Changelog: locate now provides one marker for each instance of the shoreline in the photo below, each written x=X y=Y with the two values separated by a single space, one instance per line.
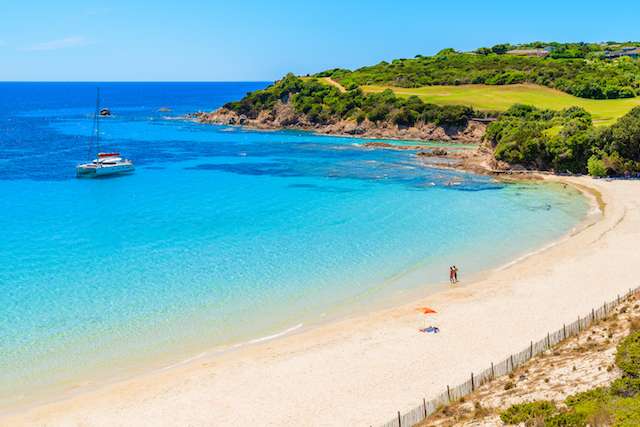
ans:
x=355 y=307
x=309 y=339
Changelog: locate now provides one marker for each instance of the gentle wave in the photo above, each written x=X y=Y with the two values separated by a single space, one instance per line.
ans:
x=278 y=335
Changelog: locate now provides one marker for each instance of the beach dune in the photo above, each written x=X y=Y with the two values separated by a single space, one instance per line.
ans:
x=362 y=370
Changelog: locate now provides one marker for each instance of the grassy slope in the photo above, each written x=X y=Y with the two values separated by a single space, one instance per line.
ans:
x=485 y=97
x=328 y=81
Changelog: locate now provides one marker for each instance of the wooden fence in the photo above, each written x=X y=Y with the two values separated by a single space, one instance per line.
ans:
x=453 y=394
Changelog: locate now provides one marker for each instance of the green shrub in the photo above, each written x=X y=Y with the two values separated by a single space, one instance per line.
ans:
x=628 y=355
x=566 y=419
x=597 y=395
x=626 y=387
x=596 y=167
x=527 y=412
x=626 y=412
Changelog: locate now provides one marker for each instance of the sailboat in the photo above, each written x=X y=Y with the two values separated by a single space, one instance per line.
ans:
x=105 y=163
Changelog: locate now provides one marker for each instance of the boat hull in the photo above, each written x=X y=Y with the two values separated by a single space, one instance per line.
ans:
x=92 y=171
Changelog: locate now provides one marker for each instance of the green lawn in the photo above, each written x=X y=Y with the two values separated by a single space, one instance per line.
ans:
x=485 y=97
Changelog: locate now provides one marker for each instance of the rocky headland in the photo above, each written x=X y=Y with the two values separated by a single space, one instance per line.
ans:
x=283 y=116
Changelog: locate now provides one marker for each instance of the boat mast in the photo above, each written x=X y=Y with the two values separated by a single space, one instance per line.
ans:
x=95 y=138
x=97 y=121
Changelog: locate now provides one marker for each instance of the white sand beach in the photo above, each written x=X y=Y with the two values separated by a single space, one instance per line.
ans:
x=361 y=370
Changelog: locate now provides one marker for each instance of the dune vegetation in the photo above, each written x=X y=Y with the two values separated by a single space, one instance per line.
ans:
x=592 y=379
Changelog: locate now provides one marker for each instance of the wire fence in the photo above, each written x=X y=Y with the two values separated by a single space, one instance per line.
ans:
x=453 y=394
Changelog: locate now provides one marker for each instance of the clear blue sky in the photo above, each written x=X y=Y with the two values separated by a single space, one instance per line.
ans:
x=261 y=40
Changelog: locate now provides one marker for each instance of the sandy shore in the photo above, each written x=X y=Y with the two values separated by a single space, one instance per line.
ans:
x=361 y=370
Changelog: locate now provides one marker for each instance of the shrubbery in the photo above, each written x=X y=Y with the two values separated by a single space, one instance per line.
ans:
x=566 y=141
x=527 y=412
x=628 y=356
x=596 y=167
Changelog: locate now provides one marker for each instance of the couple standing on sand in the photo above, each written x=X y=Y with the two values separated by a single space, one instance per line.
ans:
x=453 y=274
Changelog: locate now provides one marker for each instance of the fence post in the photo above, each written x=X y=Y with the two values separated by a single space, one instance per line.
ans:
x=448 y=393
x=424 y=405
x=578 y=324
x=493 y=373
x=399 y=420
x=593 y=314
x=605 y=309
x=548 y=341
x=511 y=362
x=531 y=351
x=564 y=331
x=473 y=387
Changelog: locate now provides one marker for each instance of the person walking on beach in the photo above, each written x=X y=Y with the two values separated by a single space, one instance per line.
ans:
x=454 y=270
x=451 y=275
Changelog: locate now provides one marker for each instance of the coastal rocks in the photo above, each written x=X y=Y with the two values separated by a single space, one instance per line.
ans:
x=438 y=152
x=221 y=116
x=347 y=127
x=284 y=116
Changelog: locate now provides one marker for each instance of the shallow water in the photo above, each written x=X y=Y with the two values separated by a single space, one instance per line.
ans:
x=222 y=235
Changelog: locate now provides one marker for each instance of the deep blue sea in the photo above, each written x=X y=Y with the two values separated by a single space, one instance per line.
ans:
x=222 y=235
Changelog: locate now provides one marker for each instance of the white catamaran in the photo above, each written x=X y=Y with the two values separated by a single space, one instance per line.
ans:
x=105 y=163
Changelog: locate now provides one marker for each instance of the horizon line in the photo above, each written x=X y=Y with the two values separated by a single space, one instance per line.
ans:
x=136 y=81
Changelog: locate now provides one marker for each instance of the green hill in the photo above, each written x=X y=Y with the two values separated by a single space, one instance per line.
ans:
x=588 y=72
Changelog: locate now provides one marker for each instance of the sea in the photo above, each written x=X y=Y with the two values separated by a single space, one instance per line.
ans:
x=223 y=236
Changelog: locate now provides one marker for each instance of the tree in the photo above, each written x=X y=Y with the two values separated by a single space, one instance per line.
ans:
x=501 y=49
x=446 y=51
x=623 y=137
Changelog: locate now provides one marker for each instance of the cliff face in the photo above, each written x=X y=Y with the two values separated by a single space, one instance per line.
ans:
x=283 y=116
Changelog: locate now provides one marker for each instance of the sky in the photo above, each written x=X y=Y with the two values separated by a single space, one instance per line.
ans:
x=250 y=40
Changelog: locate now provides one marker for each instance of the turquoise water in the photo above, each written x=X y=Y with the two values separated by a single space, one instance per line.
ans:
x=222 y=235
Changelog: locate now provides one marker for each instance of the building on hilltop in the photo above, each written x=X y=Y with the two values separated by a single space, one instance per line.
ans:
x=630 y=51
x=529 y=52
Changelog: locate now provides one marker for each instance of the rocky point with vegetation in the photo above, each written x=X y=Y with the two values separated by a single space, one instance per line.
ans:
x=309 y=104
